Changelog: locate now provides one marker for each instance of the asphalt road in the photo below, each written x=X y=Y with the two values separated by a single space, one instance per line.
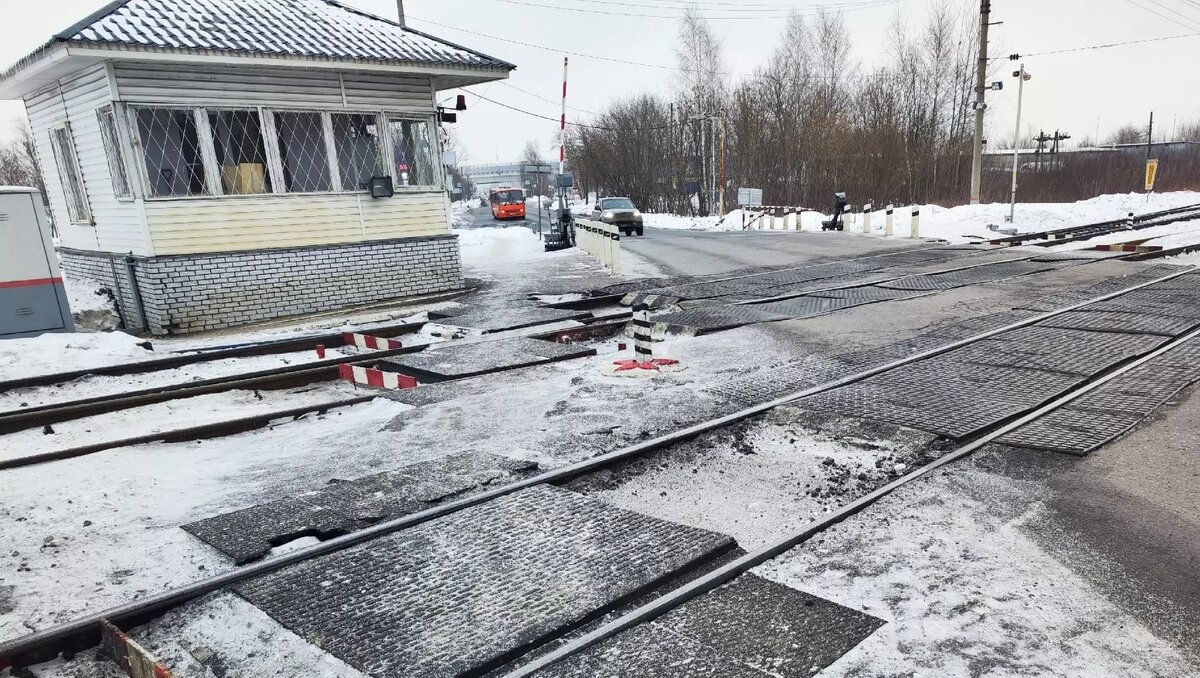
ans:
x=686 y=252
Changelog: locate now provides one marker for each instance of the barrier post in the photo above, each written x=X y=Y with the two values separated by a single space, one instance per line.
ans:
x=616 y=252
x=642 y=349
x=887 y=222
x=867 y=218
x=916 y=222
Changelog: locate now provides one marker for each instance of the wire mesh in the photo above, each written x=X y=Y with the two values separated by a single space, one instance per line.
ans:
x=303 y=152
x=356 y=142
x=171 y=151
x=241 y=156
x=412 y=149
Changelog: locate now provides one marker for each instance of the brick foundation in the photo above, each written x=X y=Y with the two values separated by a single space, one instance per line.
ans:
x=194 y=292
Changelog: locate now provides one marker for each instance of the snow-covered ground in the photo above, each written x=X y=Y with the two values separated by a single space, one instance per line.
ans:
x=68 y=351
x=964 y=223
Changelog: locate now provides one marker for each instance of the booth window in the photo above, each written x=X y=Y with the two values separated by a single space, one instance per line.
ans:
x=302 y=152
x=412 y=150
x=241 y=156
x=171 y=150
x=69 y=175
x=112 y=152
x=357 y=146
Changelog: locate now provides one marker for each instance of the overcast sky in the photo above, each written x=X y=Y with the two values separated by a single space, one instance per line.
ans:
x=1077 y=92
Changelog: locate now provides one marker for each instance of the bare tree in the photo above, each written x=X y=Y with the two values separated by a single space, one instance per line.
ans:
x=18 y=161
x=1128 y=133
x=700 y=99
x=530 y=155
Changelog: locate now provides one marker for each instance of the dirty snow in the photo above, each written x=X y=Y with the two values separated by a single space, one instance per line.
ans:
x=61 y=352
x=171 y=415
x=100 y=385
x=88 y=533
x=949 y=563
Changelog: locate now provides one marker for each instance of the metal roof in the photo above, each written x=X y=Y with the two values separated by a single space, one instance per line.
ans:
x=322 y=29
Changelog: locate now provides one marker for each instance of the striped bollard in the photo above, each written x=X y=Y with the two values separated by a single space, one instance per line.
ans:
x=643 y=363
x=867 y=218
x=642 y=350
x=887 y=222
x=916 y=222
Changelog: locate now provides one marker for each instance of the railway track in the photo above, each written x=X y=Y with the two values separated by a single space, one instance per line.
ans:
x=291 y=344
x=1069 y=234
x=84 y=631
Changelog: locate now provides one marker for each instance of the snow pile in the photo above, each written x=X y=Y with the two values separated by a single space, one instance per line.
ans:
x=965 y=223
x=62 y=352
x=491 y=248
x=460 y=213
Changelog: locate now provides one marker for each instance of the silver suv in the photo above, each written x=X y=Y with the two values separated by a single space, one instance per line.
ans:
x=621 y=212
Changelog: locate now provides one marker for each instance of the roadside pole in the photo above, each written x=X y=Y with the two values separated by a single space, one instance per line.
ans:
x=985 y=8
x=1022 y=76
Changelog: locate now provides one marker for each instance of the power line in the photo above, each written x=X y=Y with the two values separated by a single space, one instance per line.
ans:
x=726 y=7
x=535 y=96
x=569 y=123
x=1160 y=15
x=861 y=5
x=1104 y=46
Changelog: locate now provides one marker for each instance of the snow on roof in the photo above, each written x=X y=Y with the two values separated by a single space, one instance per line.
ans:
x=303 y=28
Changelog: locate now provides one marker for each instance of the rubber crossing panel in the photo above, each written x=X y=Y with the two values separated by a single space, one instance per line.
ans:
x=711 y=319
x=458 y=361
x=492 y=320
x=463 y=593
x=1115 y=321
x=343 y=506
x=749 y=628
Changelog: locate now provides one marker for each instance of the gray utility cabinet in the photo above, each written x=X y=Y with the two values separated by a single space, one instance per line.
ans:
x=32 y=298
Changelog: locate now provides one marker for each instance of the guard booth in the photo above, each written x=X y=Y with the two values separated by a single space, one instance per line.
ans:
x=32 y=298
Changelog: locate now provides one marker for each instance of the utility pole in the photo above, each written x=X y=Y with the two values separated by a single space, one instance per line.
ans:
x=400 y=11
x=985 y=9
x=721 y=177
x=1022 y=76
x=712 y=167
x=1150 y=135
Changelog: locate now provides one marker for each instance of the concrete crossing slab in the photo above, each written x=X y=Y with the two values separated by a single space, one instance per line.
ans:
x=751 y=627
x=464 y=593
x=342 y=506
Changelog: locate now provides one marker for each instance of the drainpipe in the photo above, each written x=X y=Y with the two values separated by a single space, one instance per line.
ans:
x=135 y=291
x=400 y=11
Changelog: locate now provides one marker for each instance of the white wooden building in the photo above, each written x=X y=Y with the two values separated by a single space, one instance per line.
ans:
x=208 y=159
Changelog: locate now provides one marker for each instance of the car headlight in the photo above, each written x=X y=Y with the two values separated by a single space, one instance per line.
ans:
x=637 y=214
x=607 y=215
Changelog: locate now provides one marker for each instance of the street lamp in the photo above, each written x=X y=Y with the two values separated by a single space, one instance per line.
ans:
x=1021 y=77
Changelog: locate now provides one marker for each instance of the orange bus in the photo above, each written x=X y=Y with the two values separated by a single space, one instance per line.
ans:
x=507 y=203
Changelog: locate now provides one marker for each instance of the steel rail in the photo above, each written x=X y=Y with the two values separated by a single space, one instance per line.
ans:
x=275 y=378
x=739 y=566
x=1141 y=226
x=1124 y=221
x=214 y=429
x=84 y=631
x=331 y=340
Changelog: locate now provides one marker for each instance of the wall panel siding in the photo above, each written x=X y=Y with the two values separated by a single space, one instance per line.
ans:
x=118 y=222
x=46 y=111
x=290 y=87
x=195 y=225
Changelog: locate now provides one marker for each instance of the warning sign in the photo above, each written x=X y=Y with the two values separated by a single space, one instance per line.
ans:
x=1151 y=172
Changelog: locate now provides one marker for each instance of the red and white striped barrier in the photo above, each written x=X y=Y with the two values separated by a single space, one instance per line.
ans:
x=369 y=342
x=134 y=660
x=377 y=378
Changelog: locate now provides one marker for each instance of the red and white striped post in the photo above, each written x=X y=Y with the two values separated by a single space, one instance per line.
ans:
x=562 y=125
